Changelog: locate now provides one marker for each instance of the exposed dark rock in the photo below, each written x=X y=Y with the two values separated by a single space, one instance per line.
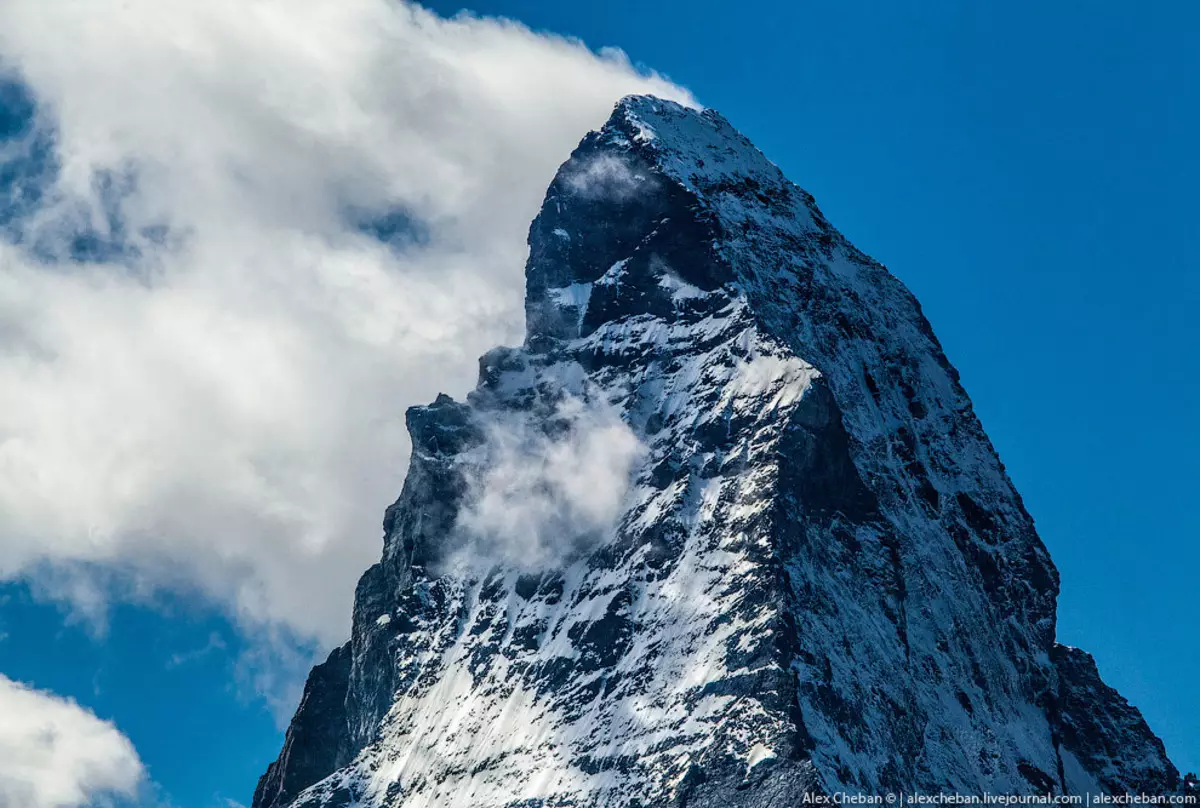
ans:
x=1105 y=733
x=317 y=741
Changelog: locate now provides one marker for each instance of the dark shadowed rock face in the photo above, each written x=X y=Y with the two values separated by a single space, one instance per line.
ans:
x=316 y=741
x=818 y=577
x=1106 y=746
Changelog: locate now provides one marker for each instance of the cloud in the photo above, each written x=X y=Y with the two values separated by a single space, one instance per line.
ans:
x=540 y=490
x=214 y=644
x=606 y=176
x=241 y=239
x=55 y=754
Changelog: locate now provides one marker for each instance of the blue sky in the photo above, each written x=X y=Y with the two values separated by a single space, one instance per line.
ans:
x=1028 y=169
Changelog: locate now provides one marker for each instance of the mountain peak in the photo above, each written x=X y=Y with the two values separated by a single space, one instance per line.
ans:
x=724 y=531
x=697 y=147
x=702 y=184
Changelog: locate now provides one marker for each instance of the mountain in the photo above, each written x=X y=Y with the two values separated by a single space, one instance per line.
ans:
x=724 y=531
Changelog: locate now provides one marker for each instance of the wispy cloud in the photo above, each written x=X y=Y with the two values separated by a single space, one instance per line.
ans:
x=215 y=643
x=608 y=176
x=541 y=489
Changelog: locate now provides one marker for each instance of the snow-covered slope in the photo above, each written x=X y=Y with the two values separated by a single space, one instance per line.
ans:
x=814 y=575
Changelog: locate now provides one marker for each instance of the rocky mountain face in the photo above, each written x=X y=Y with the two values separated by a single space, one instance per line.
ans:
x=783 y=559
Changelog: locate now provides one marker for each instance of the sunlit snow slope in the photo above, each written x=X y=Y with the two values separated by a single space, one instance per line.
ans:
x=818 y=578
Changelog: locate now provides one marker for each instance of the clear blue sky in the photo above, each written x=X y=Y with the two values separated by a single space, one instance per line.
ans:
x=1030 y=171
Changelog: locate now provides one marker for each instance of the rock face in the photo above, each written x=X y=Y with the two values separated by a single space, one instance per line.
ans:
x=316 y=741
x=817 y=576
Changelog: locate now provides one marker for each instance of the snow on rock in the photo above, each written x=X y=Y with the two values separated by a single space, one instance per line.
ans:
x=818 y=577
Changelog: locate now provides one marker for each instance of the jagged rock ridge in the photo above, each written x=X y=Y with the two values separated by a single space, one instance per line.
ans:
x=820 y=579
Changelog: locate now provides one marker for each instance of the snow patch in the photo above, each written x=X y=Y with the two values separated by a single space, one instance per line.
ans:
x=758 y=754
x=575 y=296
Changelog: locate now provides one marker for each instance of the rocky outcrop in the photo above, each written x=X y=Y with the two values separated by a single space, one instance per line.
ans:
x=316 y=742
x=1105 y=745
x=814 y=575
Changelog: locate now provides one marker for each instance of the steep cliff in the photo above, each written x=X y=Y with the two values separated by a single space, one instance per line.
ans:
x=814 y=575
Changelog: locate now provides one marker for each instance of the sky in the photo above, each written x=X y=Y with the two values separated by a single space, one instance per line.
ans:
x=237 y=240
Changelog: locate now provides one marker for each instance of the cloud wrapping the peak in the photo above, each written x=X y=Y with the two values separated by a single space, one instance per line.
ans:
x=56 y=754
x=243 y=238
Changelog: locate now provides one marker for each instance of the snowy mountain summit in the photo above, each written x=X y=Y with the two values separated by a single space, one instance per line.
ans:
x=724 y=531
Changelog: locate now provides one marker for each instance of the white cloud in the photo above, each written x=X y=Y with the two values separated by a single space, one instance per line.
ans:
x=55 y=754
x=535 y=495
x=607 y=176
x=223 y=414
